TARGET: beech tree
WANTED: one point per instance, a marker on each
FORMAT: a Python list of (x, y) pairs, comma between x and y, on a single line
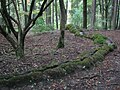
[(16, 38)]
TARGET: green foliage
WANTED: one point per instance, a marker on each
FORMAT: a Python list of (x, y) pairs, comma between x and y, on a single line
[(77, 16), (99, 38), (40, 26)]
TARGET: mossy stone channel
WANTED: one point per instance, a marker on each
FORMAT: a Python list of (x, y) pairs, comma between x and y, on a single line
[(86, 60)]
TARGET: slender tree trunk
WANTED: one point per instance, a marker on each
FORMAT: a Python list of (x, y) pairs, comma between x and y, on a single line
[(103, 12), (118, 13), (25, 9), (56, 13), (85, 14), (20, 48), (53, 14), (62, 24), (93, 19), (111, 14), (66, 9), (48, 15), (114, 15), (106, 14)]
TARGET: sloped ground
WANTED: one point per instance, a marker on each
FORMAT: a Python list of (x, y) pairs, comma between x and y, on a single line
[(41, 50), (106, 76)]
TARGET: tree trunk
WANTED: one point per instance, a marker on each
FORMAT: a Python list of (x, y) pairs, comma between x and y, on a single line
[(85, 14), (56, 13), (48, 15), (62, 24), (53, 14), (106, 14), (25, 9), (66, 9), (93, 19), (114, 15), (103, 12), (118, 13), (61, 39), (20, 50)]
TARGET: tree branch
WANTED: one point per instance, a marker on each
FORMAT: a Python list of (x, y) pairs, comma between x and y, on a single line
[(28, 27), (48, 5), (13, 20), (6, 17), (19, 24), (31, 9), (32, 22), (8, 37)]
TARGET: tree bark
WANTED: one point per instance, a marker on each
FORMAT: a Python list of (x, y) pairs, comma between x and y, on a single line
[(53, 14), (56, 13), (85, 14), (48, 15), (93, 19), (62, 24), (114, 15)]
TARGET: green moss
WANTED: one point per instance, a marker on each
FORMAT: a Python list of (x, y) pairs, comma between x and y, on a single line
[(111, 47), (106, 48), (68, 26), (88, 36), (98, 57), (99, 39), (55, 73), (69, 67), (87, 62), (96, 35), (73, 29), (77, 33), (103, 52), (33, 76), (87, 54)]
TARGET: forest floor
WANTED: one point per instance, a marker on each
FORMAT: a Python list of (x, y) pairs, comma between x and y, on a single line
[(41, 50)]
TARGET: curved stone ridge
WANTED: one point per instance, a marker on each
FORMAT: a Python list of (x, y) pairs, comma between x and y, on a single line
[(85, 60)]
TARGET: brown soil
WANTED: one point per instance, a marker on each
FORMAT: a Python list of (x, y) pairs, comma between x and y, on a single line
[(41, 50)]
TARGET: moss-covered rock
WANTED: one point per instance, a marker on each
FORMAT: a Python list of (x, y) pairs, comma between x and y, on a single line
[(73, 29), (54, 73), (105, 47), (98, 57), (87, 54), (99, 39), (68, 26), (87, 62), (14, 80), (103, 52), (97, 35), (112, 47), (69, 67)]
